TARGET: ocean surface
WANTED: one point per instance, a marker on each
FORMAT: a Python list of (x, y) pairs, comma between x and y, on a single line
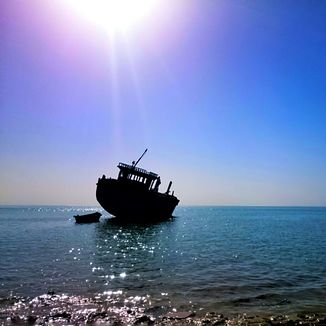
[(230, 260)]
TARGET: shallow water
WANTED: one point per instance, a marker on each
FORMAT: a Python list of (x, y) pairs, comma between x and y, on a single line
[(254, 260)]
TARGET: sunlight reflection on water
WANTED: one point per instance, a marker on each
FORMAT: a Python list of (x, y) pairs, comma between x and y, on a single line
[(233, 259)]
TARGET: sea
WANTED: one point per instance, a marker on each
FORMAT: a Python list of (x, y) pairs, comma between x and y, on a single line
[(234, 264)]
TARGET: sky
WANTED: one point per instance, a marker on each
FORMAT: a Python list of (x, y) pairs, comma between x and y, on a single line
[(228, 96)]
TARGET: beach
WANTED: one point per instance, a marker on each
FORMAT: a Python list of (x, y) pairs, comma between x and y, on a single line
[(61, 309)]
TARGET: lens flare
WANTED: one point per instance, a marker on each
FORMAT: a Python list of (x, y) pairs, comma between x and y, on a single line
[(114, 15)]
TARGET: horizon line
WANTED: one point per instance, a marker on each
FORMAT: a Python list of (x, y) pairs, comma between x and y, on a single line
[(185, 205)]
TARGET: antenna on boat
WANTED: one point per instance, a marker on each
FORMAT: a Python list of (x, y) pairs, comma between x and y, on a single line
[(134, 164)]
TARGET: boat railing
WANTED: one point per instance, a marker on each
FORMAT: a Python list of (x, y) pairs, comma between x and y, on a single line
[(139, 170)]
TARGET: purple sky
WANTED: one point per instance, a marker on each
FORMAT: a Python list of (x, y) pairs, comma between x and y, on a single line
[(228, 96)]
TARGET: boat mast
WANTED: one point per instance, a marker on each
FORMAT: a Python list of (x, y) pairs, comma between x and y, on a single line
[(134, 164)]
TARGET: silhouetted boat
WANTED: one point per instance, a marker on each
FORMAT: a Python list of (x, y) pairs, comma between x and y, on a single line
[(134, 195), (88, 218)]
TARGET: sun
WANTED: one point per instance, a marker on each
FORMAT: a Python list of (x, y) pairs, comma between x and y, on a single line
[(114, 15)]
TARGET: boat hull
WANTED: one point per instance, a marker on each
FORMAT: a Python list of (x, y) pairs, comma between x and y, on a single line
[(88, 218), (131, 200)]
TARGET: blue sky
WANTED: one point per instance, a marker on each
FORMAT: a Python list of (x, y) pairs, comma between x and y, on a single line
[(228, 96)]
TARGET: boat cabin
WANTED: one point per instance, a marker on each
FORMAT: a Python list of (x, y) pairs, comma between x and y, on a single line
[(130, 172)]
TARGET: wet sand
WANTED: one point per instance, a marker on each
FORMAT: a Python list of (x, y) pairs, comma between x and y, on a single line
[(73, 310)]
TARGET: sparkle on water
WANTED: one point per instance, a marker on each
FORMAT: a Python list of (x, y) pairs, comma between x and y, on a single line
[(207, 259)]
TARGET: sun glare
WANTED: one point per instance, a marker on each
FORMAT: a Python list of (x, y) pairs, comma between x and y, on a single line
[(114, 15)]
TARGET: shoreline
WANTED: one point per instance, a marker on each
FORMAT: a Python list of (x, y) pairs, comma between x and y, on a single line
[(74, 310)]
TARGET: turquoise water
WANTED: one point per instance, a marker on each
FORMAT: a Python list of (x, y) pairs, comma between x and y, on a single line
[(228, 259)]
